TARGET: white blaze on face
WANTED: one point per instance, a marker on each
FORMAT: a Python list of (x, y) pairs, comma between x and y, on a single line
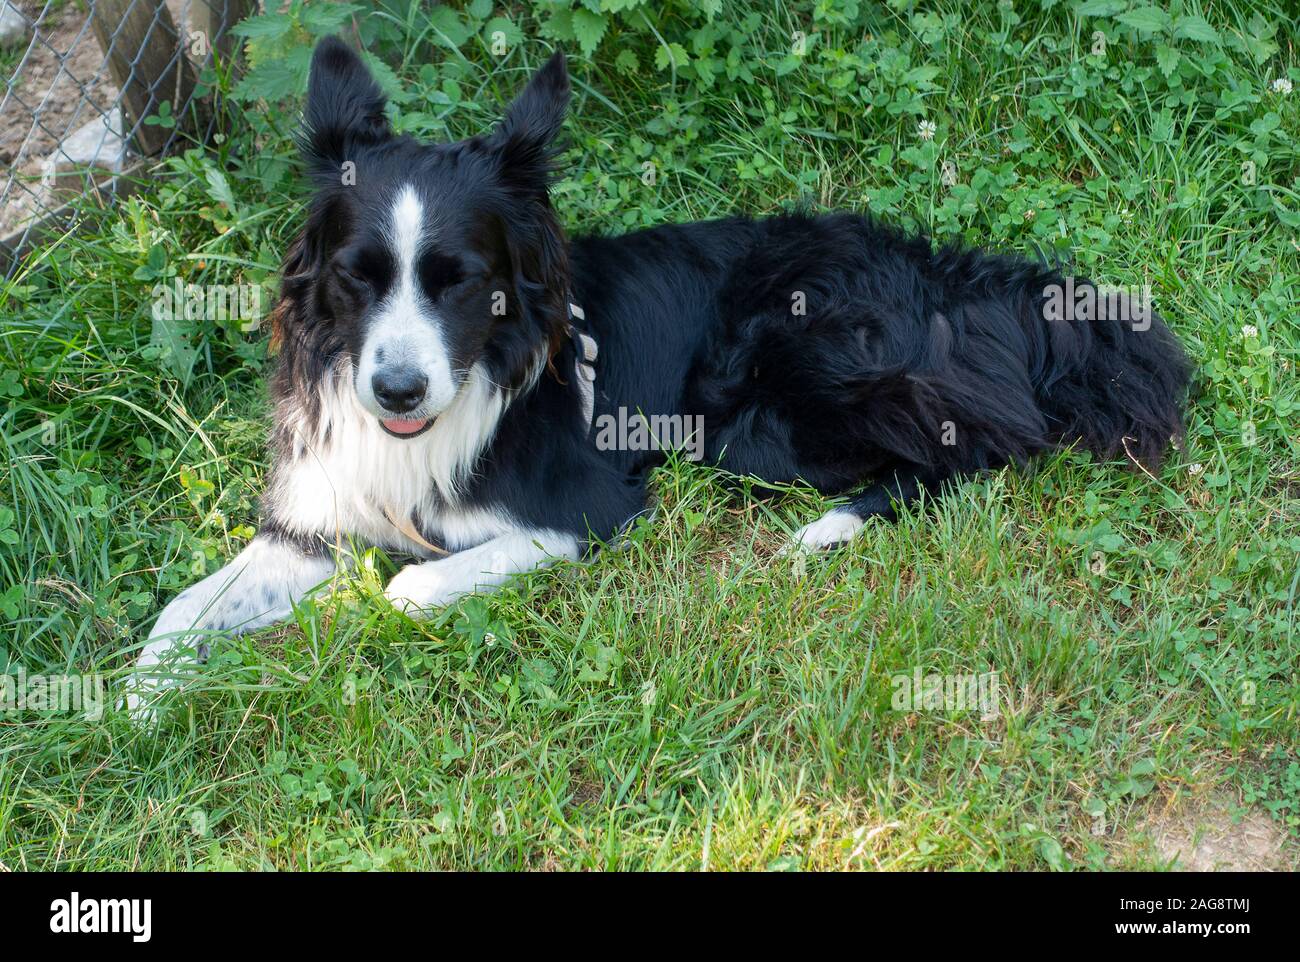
[(405, 330)]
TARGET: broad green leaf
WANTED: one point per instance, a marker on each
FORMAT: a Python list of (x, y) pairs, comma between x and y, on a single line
[(1196, 28), (321, 19), (588, 29), (559, 26), (507, 28), (1099, 8), (1145, 19), (448, 27), (626, 62), (388, 81), (219, 188), (672, 55), (1167, 59), (920, 76), (268, 27)]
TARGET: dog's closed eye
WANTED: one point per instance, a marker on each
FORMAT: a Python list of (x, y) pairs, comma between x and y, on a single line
[(347, 291), (439, 272), (351, 281), (360, 275)]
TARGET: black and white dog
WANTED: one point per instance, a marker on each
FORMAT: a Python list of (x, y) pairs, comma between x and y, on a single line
[(443, 350)]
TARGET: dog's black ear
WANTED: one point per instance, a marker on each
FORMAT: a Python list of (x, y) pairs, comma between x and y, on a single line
[(345, 107), (522, 145), (531, 124)]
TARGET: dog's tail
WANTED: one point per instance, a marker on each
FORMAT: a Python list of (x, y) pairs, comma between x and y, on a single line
[(1110, 376)]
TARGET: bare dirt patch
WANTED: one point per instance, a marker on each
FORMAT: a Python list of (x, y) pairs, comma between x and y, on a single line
[(62, 84), (59, 83), (1212, 834)]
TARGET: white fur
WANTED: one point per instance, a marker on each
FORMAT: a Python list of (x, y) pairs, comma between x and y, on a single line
[(343, 475), (465, 429), (259, 587), (435, 583), (346, 471), (831, 529), (342, 472), (405, 328)]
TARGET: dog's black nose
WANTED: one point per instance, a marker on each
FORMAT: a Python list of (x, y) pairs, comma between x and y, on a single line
[(399, 389)]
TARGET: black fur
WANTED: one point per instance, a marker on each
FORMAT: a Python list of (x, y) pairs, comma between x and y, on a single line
[(899, 347)]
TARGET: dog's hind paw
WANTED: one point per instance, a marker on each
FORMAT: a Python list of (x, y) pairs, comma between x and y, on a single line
[(418, 588), (831, 530)]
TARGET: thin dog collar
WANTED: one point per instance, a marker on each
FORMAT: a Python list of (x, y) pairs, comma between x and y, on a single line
[(407, 527), (585, 351)]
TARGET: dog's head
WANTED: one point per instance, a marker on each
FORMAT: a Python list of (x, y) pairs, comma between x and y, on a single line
[(426, 260)]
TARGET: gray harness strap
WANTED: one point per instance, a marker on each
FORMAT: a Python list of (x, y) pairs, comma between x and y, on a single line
[(584, 366)]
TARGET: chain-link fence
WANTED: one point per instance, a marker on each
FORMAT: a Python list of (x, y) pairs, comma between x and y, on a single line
[(95, 90)]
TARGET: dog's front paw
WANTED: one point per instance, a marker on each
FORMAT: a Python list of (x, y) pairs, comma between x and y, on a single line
[(417, 588), (162, 666), (831, 530), (143, 695), (170, 655)]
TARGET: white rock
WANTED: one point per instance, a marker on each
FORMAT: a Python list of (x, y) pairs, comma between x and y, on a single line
[(98, 144), (14, 28)]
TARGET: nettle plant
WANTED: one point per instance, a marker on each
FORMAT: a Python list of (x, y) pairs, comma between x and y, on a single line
[(812, 72), (830, 103), (1185, 67)]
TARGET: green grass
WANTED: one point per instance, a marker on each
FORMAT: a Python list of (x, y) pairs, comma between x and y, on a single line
[(698, 700)]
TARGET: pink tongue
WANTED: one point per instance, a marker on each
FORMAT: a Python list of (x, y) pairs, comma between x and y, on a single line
[(398, 426)]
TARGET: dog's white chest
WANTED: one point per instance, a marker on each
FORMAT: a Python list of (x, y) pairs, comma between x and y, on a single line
[(340, 479)]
